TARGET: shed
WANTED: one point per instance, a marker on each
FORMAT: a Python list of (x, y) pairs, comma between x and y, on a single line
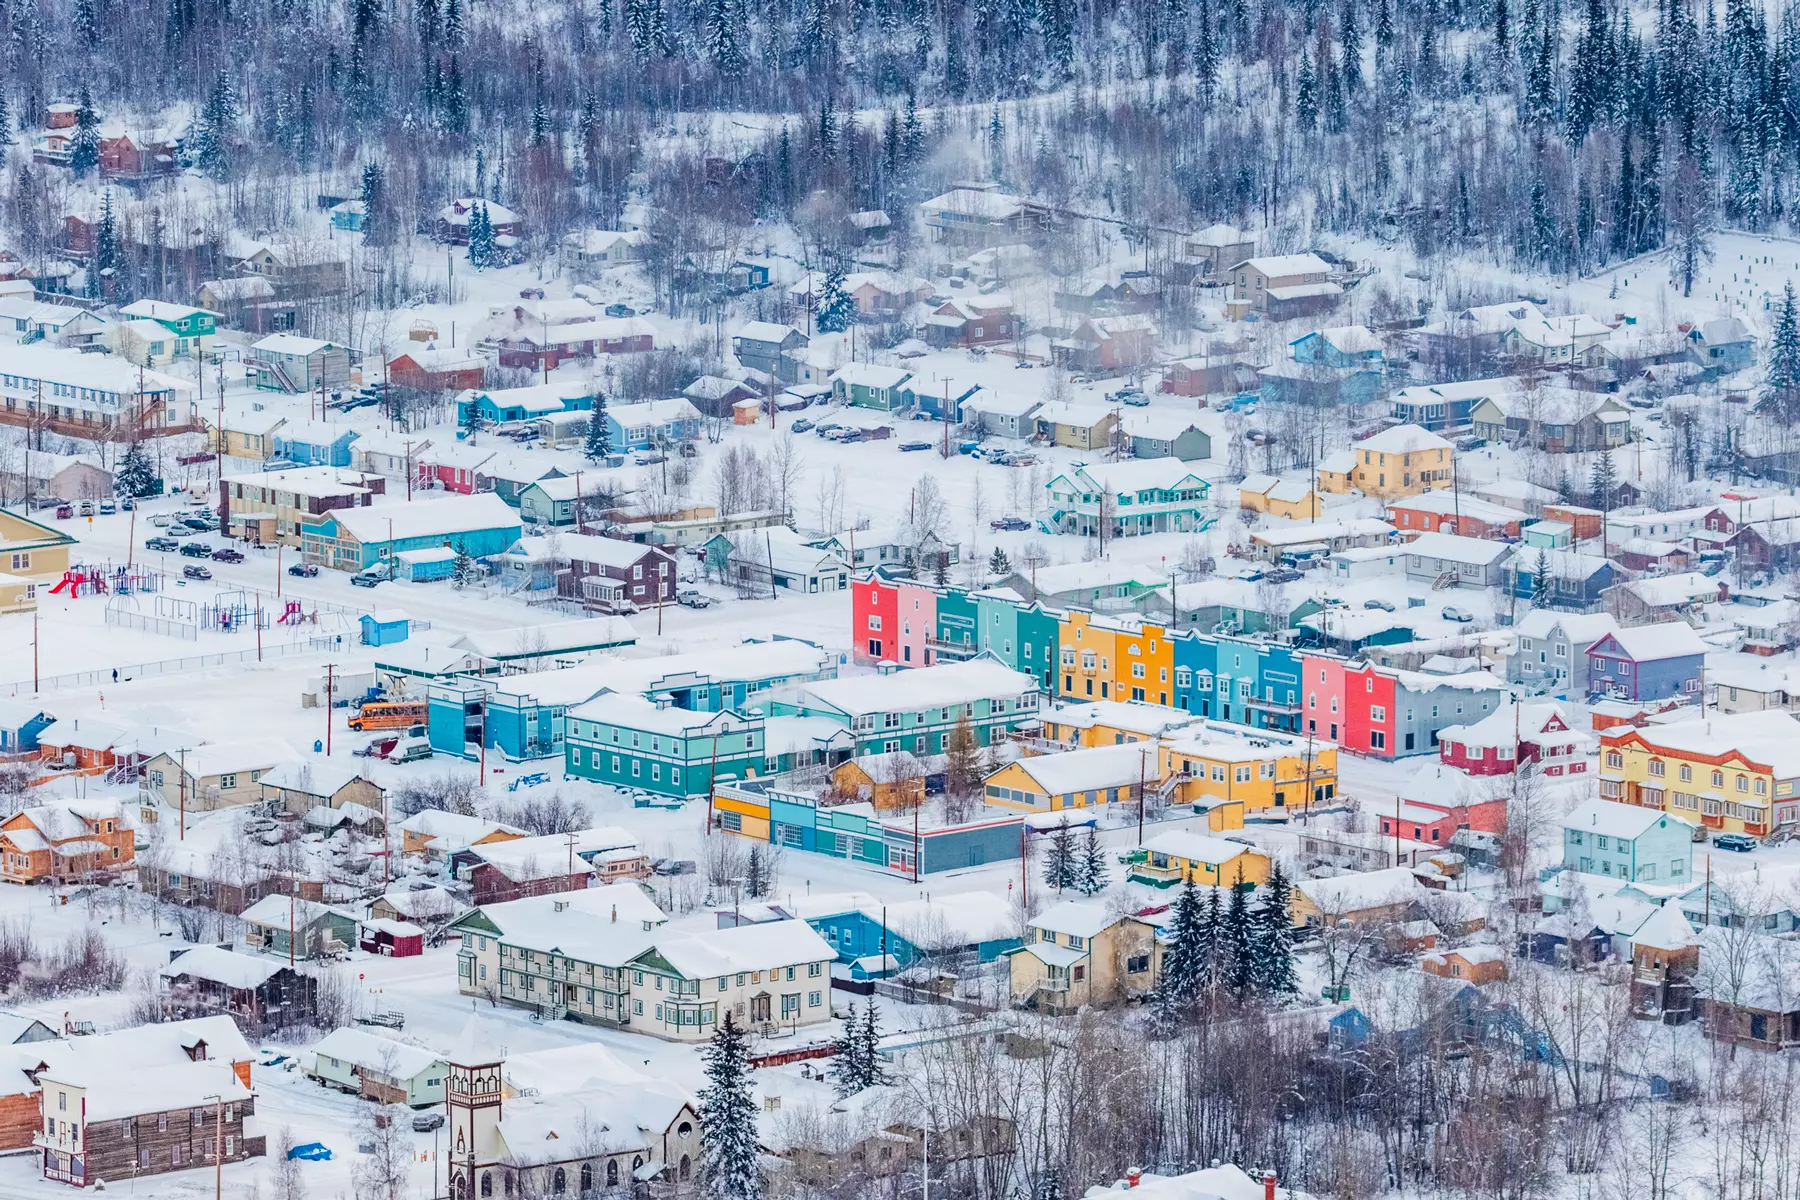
[(385, 626), (423, 566), (395, 939), (746, 412)]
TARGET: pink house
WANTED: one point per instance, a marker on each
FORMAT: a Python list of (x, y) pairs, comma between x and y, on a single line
[(892, 622), (452, 467)]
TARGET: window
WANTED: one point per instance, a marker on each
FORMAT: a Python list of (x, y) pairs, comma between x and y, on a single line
[(1377, 714), (874, 621), (1614, 759), (1658, 767)]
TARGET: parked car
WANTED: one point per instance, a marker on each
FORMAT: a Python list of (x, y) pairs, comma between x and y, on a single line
[(1283, 575), (366, 579), (304, 570), (127, 505), (87, 508), (1383, 605), (650, 459), (162, 520), (166, 545), (108, 508), (1010, 524), (426, 1122), (801, 426), (64, 511), (195, 571), (1461, 616), (411, 750), (693, 599), (196, 550), (1741, 843), (911, 446), (228, 554)]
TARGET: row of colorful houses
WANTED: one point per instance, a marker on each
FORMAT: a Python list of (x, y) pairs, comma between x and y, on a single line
[(1074, 654)]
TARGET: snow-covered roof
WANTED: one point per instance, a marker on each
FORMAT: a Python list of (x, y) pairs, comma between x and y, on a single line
[(1096, 767), (426, 518), (1225, 1182), (1195, 847), (1403, 439), (975, 202), (1281, 266), (293, 344), (1582, 629), (314, 778), (1298, 533), (216, 964), (1343, 894), (1667, 639), (457, 211), (635, 712), (95, 372), (1083, 918), (374, 1053), (871, 375), (554, 638), (940, 686), (703, 953), (1768, 737), (450, 831), (225, 758), (1529, 723), (1133, 715), (1458, 549), (1664, 591), (653, 412), (1608, 818), (281, 911), (608, 925), (1443, 502)]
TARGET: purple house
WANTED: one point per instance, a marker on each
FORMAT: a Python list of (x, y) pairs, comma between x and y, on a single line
[(1646, 662)]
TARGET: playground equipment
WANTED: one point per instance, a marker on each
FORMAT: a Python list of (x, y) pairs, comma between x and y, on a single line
[(295, 614), (232, 611), (532, 780), (89, 580)]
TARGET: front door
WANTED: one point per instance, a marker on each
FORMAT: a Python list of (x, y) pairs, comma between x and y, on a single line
[(759, 1007)]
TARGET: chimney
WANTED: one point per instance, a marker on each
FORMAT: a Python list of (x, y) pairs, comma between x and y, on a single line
[(1268, 1185), (1132, 1176)]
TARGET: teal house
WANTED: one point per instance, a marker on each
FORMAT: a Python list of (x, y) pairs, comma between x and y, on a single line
[(915, 710), (505, 405), (1628, 842), (355, 539), (189, 324), (628, 741)]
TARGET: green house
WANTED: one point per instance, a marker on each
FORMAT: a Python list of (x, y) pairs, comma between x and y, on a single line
[(185, 321), (627, 741), (916, 710), (867, 385)]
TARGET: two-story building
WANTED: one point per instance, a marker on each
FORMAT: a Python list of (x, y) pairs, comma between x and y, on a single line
[(1284, 285), (769, 349), (1732, 774), (67, 841), (1078, 954), (1550, 650), (272, 507), (1647, 662), (628, 741), (915, 710), (192, 328), (1156, 495), (1629, 843), (1401, 461), (1514, 735)]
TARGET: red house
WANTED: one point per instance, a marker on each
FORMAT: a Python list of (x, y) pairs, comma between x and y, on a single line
[(547, 347), (1513, 734), (1107, 344), (1445, 512), (1218, 374), (1436, 803), (132, 156), (433, 370), (972, 321), (452, 467), (395, 939), (875, 620)]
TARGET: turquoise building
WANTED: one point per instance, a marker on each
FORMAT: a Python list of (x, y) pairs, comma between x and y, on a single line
[(627, 741)]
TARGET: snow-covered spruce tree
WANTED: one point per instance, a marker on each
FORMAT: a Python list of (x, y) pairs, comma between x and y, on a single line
[(1781, 383), (84, 143), (135, 476), (1540, 579), (462, 570), (875, 1073), (998, 564), (1187, 955), (848, 1073), (1603, 483), (728, 1168), (1273, 972), (375, 228), (1092, 872), (837, 309), (1061, 869), (481, 237), (599, 437), (1234, 943)]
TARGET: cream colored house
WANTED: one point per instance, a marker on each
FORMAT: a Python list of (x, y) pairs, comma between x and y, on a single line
[(219, 775), (1076, 953)]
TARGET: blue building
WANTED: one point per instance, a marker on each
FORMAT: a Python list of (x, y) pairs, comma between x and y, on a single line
[(507, 405), (1345, 346), (20, 724), (1441, 406), (384, 627), (1576, 581), (970, 925), (1292, 382), (355, 539), (1722, 345), (1628, 842), (654, 423), (928, 401), (314, 444), (1647, 662)]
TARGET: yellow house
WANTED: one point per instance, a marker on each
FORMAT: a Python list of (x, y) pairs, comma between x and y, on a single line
[(247, 434), (1075, 778), (1182, 856), (17, 594), (30, 550), (1266, 773), (1731, 773), (1087, 646), (438, 834), (1080, 425), (740, 812), (1293, 499), (1383, 897), (1336, 473), (1110, 722), (1402, 461), (1077, 953), (1146, 664)]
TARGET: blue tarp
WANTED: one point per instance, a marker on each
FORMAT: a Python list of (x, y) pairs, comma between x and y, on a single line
[(311, 1152)]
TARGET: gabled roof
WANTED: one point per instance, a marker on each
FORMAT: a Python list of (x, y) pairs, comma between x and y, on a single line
[(1652, 643)]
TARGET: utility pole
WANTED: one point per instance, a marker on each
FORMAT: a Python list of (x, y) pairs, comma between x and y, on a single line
[(34, 651), (330, 686), (181, 789), (1142, 766)]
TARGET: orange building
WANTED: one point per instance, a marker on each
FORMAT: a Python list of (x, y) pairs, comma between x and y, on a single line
[(65, 840)]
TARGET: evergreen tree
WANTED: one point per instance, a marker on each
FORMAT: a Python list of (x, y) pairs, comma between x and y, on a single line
[(1781, 382), (1092, 871), (1540, 82), (213, 133), (875, 1074), (85, 26), (940, 569), (1234, 943), (1187, 952), (462, 571), (1306, 94), (599, 437), (453, 26), (84, 143), (848, 1069), (998, 563), (1061, 868), (725, 37), (1502, 31), (1603, 483), (135, 476), (1273, 971), (455, 99), (481, 237), (103, 267), (728, 1152), (474, 422), (837, 308), (1565, 489), (757, 882), (1540, 580), (374, 201), (1350, 37)]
